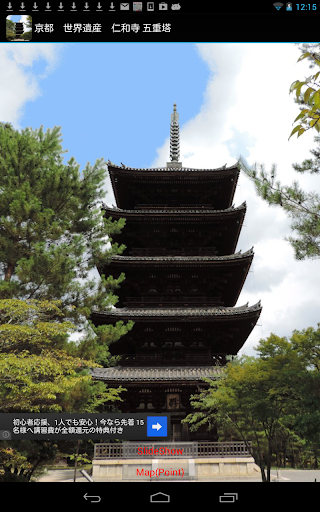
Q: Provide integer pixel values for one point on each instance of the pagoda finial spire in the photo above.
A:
(174, 139)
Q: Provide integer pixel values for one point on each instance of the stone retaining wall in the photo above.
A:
(173, 469)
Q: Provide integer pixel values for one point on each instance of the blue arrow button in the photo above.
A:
(157, 426)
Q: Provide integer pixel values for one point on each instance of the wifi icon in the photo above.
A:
(278, 5)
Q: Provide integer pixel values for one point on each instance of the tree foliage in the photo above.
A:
(36, 368)
(272, 400)
(10, 30)
(308, 93)
(42, 371)
(301, 206)
(52, 231)
(53, 237)
(20, 459)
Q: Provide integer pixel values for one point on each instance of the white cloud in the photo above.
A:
(19, 84)
(24, 20)
(247, 107)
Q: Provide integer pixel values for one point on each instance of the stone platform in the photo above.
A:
(173, 469)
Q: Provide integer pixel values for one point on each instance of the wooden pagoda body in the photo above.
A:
(19, 30)
(183, 280)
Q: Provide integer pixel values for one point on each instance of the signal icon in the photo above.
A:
(278, 5)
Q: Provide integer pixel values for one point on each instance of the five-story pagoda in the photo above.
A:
(183, 279)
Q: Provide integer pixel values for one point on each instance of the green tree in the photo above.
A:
(301, 206)
(41, 371)
(272, 400)
(10, 30)
(52, 236)
(35, 366)
(52, 230)
(29, 22)
(302, 374)
(247, 402)
(308, 93)
(20, 459)
(306, 421)
(27, 35)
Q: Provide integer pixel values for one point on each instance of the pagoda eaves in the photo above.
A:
(180, 280)
(171, 187)
(197, 231)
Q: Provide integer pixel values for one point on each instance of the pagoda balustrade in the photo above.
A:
(168, 302)
(203, 449)
(180, 206)
(181, 357)
(166, 251)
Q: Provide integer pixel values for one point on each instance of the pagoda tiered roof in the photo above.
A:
(182, 313)
(180, 280)
(217, 231)
(157, 375)
(135, 187)
(113, 167)
(183, 259)
(158, 212)
(220, 330)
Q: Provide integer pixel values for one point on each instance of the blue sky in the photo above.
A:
(115, 100)
(15, 17)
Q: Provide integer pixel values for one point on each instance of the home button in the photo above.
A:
(160, 497)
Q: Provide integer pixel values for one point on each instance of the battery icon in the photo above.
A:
(228, 497)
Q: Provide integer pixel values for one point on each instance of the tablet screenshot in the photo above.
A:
(159, 252)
